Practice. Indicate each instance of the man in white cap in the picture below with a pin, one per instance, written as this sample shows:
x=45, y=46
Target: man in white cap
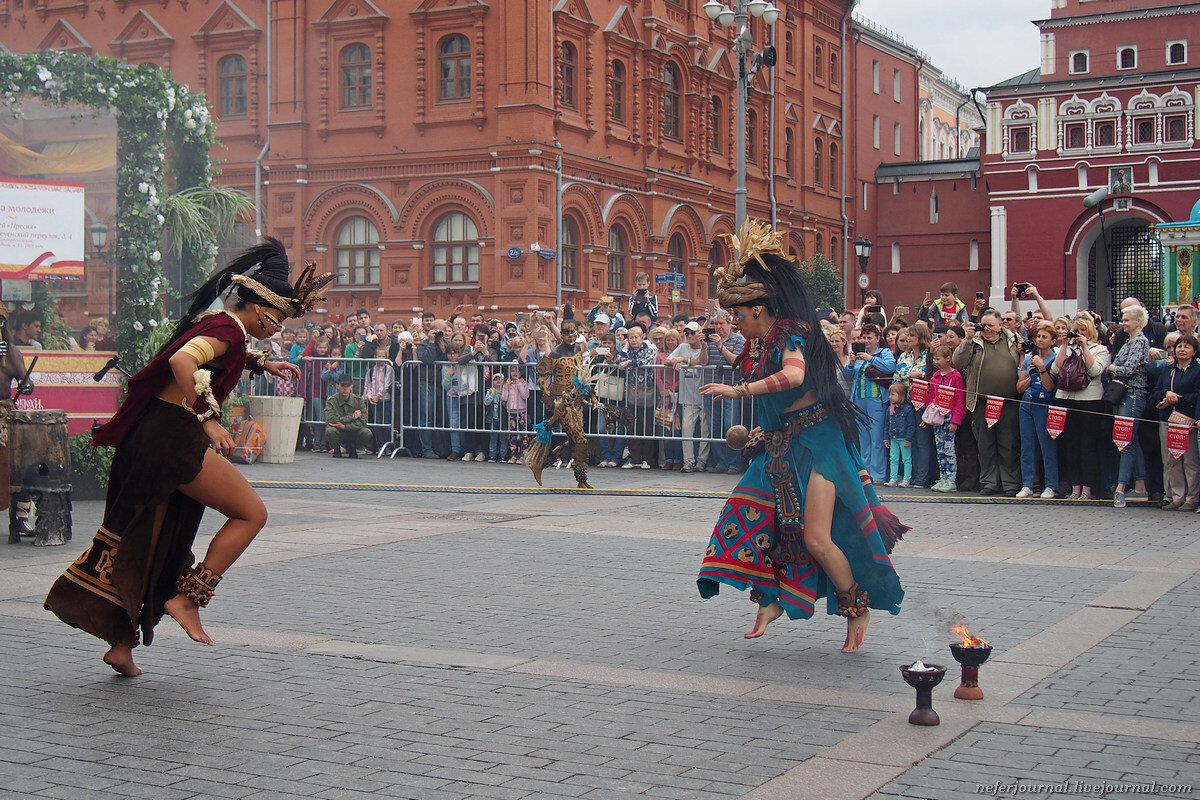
x=600, y=326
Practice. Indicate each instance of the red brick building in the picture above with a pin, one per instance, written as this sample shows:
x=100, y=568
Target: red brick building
x=410, y=146
x=1113, y=105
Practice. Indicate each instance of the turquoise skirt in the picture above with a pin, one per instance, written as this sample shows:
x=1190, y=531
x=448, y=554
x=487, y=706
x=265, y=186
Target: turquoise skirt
x=758, y=540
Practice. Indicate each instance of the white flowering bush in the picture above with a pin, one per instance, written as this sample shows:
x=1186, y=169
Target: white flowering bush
x=155, y=116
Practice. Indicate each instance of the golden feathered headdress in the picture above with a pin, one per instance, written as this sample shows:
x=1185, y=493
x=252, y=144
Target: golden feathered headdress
x=305, y=295
x=751, y=243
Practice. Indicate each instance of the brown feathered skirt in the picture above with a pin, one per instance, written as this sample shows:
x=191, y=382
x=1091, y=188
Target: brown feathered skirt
x=122, y=581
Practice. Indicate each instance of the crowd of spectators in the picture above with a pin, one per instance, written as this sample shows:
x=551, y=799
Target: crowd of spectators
x=979, y=399
x=464, y=388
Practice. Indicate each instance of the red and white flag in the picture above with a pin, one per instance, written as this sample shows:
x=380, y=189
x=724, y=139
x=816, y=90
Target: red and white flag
x=1177, y=439
x=919, y=393
x=991, y=414
x=1122, y=432
x=945, y=398
x=1056, y=421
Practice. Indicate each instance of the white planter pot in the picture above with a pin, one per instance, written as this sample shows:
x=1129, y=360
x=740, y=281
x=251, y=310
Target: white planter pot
x=280, y=421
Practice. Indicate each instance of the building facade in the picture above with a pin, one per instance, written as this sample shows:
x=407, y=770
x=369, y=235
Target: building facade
x=421, y=149
x=1111, y=114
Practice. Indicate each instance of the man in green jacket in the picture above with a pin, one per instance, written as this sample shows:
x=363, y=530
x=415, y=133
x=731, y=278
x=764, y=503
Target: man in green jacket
x=346, y=420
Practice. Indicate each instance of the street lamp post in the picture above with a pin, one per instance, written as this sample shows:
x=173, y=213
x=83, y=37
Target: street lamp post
x=743, y=43
x=862, y=249
x=99, y=233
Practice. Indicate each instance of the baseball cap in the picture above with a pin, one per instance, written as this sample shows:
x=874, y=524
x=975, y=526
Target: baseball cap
x=603, y=318
x=693, y=327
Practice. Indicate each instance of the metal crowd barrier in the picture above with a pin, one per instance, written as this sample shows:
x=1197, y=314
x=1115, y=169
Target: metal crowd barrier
x=318, y=382
x=419, y=401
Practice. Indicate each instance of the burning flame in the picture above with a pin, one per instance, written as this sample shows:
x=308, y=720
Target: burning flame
x=960, y=630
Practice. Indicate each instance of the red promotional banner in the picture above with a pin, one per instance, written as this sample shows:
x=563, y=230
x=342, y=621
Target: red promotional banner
x=995, y=405
x=1122, y=431
x=1056, y=421
x=1177, y=439
x=919, y=393
x=945, y=398
x=64, y=380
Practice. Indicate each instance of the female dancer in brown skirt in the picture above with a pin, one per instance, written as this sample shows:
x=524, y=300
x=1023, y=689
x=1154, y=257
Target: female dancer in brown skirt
x=164, y=474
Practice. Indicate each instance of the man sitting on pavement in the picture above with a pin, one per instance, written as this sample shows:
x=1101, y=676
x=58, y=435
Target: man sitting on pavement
x=346, y=420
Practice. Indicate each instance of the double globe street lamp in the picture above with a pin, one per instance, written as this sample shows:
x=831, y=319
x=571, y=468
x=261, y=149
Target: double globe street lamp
x=743, y=43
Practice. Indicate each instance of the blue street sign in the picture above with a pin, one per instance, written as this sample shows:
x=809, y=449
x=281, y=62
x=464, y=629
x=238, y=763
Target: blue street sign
x=514, y=252
x=680, y=281
x=666, y=277
x=545, y=253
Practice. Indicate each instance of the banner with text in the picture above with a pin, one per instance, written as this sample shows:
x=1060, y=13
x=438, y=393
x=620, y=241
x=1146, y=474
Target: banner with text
x=41, y=230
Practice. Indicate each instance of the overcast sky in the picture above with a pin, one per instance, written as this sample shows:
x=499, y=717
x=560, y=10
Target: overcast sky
x=977, y=42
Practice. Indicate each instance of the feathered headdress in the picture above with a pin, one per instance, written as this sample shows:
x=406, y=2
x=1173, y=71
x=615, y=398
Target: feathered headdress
x=751, y=243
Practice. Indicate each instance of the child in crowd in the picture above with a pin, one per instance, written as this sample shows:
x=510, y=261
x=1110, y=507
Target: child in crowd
x=516, y=399
x=902, y=425
x=945, y=424
x=643, y=300
x=493, y=419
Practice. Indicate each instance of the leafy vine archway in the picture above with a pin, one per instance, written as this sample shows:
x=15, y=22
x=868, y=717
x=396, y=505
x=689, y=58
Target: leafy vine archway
x=155, y=117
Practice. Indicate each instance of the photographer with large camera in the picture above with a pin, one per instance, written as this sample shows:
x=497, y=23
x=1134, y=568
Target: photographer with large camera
x=1077, y=370
x=988, y=361
x=1036, y=384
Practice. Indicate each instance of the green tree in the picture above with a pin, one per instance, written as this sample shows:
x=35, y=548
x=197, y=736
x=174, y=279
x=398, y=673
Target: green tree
x=824, y=282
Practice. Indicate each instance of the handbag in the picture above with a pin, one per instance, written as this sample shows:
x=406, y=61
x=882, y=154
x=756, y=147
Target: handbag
x=610, y=387
x=1072, y=373
x=285, y=387
x=933, y=416
x=878, y=377
x=665, y=414
x=1115, y=391
x=1178, y=417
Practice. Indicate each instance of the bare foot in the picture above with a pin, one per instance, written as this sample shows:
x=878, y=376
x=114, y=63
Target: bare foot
x=120, y=658
x=187, y=614
x=766, y=615
x=856, y=631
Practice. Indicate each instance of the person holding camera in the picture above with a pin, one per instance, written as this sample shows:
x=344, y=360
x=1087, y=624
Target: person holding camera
x=1036, y=384
x=429, y=351
x=869, y=393
x=1084, y=438
x=1128, y=373
x=988, y=362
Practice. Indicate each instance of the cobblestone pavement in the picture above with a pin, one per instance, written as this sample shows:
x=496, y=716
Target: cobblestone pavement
x=418, y=629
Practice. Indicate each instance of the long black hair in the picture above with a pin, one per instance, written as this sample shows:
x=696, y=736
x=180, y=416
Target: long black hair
x=787, y=298
x=267, y=263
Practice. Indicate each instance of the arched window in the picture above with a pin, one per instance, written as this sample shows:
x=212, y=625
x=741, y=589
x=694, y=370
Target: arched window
x=788, y=52
x=1177, y=53
x=834, y=74
x=716, y=258
x=833, y=166
x=566, y=75
x=676, y=253
x=1079, y=62
x=232, y=70
x=819, y=248
x=570, y=251
x=357, y=253
x=818, y=62
x=616, y=91
x=1128, y=58
x=833, y=249
x=618, y=258
x=715, y=122
x=356, y=76
x=751, y=136
x=455, y=249
x=671, y=102
x=454, y=58
x=818, y=161
x=789, y=152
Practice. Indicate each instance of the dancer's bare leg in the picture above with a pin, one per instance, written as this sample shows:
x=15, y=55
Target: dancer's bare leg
x=120, y=656
x=819, y=502
x=222, y=488
x=766, y=615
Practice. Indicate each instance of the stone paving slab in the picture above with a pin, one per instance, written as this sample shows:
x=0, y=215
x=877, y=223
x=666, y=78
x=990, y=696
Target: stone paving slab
x=473, y=643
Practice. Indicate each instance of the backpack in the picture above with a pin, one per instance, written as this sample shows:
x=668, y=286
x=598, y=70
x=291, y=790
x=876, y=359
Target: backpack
x=1072, y=373
x=248, y=441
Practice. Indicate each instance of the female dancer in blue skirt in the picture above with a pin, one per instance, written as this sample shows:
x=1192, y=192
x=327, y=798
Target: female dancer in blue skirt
x=805, y=520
